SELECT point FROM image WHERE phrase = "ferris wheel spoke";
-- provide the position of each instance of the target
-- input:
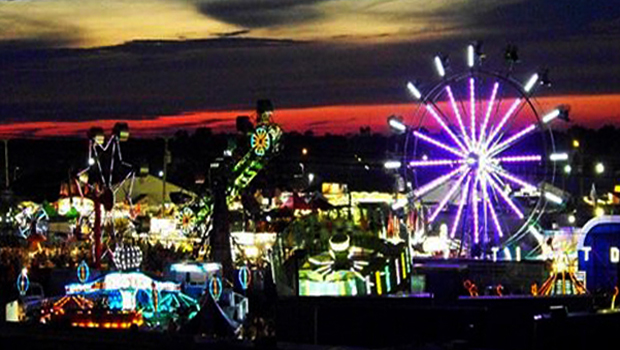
(472, 110)
(506, 199)
(437, 143)
(434, 162)
(487, 115)
(438, 182)
(447, 197)
(437, 118)
(519, 158)
(462, 203)
(508, 176)
(489, 205)
(503, 121)
(457, 113)
(501, 146)
(474, 204)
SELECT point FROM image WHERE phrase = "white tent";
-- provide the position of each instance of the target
(149, 190)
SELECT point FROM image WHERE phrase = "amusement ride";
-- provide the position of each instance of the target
(477, 154)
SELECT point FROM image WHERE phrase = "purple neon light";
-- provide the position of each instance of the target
(435, 162)
(458, 115)
(483, 201)
(498, 148)
(461, 205)
(445, 127)
(479, 174)
(519, 159)
(475, 207)
(491, 209)
(447, 197)
(472, 106)
(437, 143)
(498, 228)
(514, 179)
(488, 113)
(437, 182)
(506, 198)
(499, 126)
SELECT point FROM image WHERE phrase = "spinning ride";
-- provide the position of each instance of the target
(479, 155)
(265, 143)
(105, 175)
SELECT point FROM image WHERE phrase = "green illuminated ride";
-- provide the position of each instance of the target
(265, 143)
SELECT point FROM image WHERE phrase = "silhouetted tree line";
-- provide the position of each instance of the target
(38, 166)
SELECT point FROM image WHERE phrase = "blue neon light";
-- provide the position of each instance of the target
(215, 287)
(245, 277)
(23, 283)
(83, 272)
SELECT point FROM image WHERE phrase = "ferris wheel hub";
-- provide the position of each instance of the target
(472, 159)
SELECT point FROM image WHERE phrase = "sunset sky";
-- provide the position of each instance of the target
(327, 65)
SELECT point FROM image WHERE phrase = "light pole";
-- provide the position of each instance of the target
(6, 163)
(167, 160)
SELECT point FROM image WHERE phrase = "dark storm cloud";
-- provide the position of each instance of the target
(554, 19)
(578, 40)
(137, 80)
(261, 13)
(145, 79)
(141, 80)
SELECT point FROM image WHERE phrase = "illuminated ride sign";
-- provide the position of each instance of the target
(122, 281)
(599, 253)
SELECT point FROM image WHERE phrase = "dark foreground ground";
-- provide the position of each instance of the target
(358, 323)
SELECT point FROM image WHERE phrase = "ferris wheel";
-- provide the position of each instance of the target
(477, 155)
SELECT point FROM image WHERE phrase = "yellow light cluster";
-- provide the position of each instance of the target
(109, 325)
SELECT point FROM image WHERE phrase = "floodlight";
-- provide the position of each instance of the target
(414, 90)
(531, 82)
(439, 65)
(470, 56)
(396, 124)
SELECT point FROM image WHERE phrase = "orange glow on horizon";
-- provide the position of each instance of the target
(592, 111)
